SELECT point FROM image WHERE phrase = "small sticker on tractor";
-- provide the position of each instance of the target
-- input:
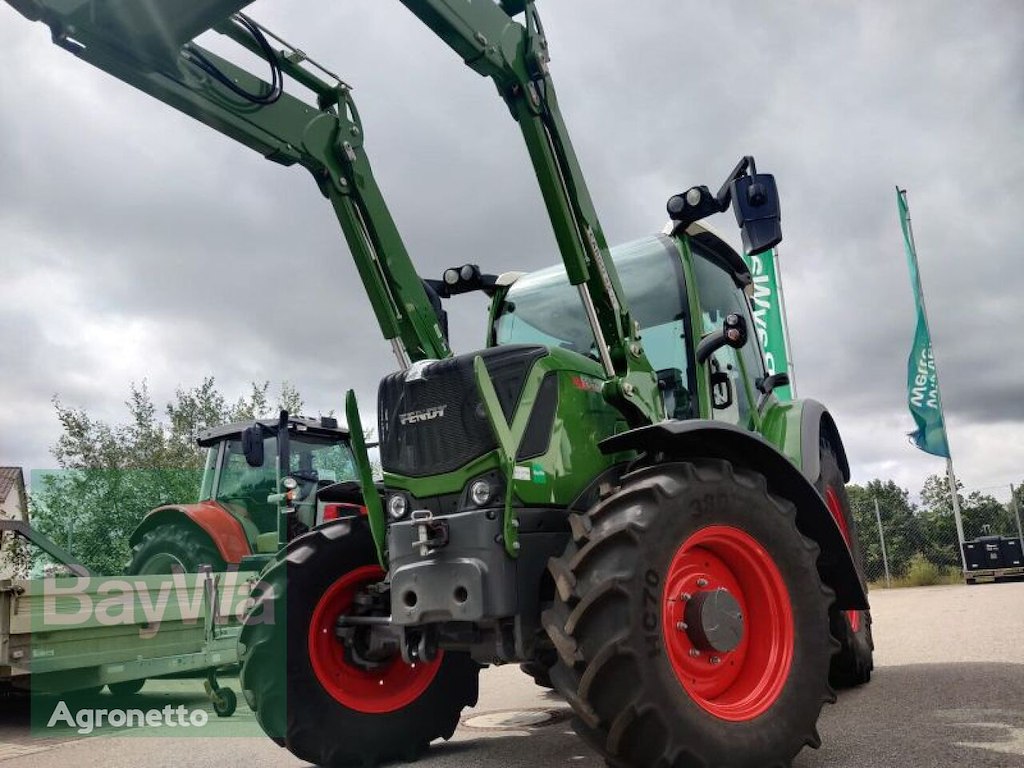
(539, 475)
(521, 473)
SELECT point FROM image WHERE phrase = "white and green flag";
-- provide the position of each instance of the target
(769, 322)
(922, 379)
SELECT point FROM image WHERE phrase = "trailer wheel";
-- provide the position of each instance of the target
(691, 624)
(174, 546)
(310, 692)
(854, 660)
(224, 702)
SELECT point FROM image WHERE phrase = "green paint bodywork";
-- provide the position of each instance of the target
(371, 499)
(781, 427)
(572, 459)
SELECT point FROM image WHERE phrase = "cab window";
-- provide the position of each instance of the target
(543, 308)
(731, 371)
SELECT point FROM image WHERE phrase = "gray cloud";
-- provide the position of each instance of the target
(136, 243)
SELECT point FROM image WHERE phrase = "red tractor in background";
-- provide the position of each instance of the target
(237, 521)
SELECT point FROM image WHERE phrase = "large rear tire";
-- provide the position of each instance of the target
(168, 547)
(303, 684)
(653, 576)
(854, 660)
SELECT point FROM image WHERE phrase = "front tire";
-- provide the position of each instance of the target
(301, 681)
(649, 672)
(171, 547)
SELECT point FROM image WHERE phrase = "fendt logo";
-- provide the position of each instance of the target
(427, 414)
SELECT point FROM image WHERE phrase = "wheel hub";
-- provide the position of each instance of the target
(714, 621)
(374, 685)
(727, 622)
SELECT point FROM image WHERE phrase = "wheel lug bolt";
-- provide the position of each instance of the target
(715, 660)
(702, 582)
(681, 626)
(685, 596)
(694, 652)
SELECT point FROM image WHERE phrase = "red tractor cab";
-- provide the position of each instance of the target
(240, 514)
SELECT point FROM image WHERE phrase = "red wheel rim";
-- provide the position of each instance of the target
(390, 687)
(743, 683)
(836, 508)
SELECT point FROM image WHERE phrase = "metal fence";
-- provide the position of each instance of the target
(905, 545)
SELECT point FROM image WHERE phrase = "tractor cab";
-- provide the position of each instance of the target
(237, 519)
(319, 459)
(682, 288)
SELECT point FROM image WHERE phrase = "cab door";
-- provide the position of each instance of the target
(729, 374)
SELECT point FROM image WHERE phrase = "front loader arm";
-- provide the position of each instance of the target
(515, 57)
(150, 44)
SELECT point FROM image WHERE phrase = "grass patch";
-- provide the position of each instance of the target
(921, 572)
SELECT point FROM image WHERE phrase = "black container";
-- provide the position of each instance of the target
(984, 553)
(1010, 552)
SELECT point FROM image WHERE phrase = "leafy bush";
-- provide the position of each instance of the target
(922, 572)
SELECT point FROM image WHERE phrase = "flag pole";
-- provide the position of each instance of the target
(785, 324)
(950, 474)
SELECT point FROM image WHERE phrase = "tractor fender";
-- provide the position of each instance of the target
(799, 429)
(699, 438)
(818, 426)
(224, 529)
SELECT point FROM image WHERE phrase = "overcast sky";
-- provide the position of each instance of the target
(138, 244)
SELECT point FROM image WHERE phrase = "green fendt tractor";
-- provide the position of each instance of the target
(609, 494)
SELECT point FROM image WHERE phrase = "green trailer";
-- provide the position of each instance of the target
(78, 632)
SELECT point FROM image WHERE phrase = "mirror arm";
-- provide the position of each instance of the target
(768, 383)
(724, 196)
(733, 333)
(709, 345)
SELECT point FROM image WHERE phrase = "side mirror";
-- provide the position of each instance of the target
(733, 334)
(755, 201)
(252, 445)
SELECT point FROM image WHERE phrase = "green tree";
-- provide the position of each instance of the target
(111, 474)
(938, 537)
(1015, 507)
(984, 514)
(898, 524)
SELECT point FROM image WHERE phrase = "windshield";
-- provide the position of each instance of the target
(543, 308)
(332, 461)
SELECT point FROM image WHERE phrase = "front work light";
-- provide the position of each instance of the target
(480, 492)
(397, 506)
